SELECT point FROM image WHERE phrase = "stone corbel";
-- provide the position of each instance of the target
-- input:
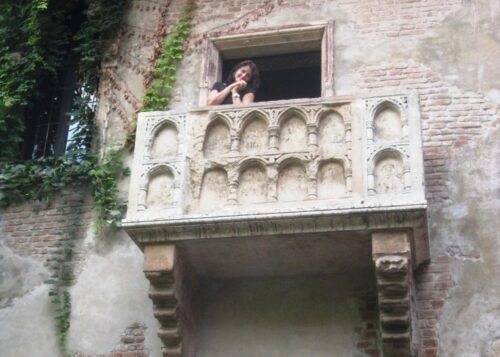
(171, 290)
(393, 271)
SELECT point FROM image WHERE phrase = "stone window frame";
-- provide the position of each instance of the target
(269, 41)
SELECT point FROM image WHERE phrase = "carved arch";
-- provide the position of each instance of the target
(252, 181)
(217, 140)
(292, 179)
(332, 178)
(214, 188)
(161, 149)
(397, 104)
(289, 112)
(160, 185)
(253, 133)
(389, 172)
(293, 130)
(249, 116)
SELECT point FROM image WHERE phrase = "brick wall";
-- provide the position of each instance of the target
(368, 337)
(433, 284)
(132, 344)
(49, 232)
(449, 118)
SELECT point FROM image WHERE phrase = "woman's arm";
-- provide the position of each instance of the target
(215, 97)
(246, 99)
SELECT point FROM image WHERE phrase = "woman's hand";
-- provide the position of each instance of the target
(238, 86)
(216, 98)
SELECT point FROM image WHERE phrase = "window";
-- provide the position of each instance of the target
(295, 62)
(47, 122)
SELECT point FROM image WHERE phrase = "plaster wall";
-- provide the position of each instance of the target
(309, 316)
(109, 295)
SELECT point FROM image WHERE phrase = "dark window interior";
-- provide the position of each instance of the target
(47, 127)
(287, 76)
(47, 120)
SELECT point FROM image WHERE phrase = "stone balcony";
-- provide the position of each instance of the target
(344, 174)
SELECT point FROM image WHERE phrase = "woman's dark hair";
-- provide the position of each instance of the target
(254, 82)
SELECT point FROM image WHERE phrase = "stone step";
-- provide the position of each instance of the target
(172, 351)
(166, 314)
(394, 306)
(169, 336)
(395, 323)
(396, 337)
(165, 295)
(160, 278)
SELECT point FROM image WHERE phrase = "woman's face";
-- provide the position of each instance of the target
(243, 73)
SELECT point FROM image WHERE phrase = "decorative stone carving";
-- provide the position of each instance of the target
(160, 189)
(391, 113)
(171, 291)
(159, 269)
(389, 174)
(391, 255)
(214, 189)
(328, 137)
(274, 138)
(331, 180)
(331, 131)
(165, 142)
(252, 185)
(292, 182)
(293, 134)
(217, 140)
(387, 124)
(254, 136)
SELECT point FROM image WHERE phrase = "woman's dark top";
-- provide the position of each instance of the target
(219, 86)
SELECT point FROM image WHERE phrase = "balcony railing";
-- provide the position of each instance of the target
(340, 154)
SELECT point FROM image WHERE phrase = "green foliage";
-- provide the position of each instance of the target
(30, 55)
(61, 300)
(40, 180)
(36, 38)
(158, 96)
(104, 177)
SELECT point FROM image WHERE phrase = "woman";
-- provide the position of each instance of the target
(242, 83)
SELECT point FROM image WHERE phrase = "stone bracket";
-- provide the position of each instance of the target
(171, 291)
(393, 273)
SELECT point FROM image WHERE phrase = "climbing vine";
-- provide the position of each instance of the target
(158, 94)
(37, 39)
(37, 50)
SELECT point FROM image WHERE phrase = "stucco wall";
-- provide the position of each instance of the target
(284, 317)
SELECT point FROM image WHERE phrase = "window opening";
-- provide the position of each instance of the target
(285, 76)
(292, 60)
(47, 120)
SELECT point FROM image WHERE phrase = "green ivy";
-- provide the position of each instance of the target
(36, 50)
(61, 300)
(158, 94)
(36, 38)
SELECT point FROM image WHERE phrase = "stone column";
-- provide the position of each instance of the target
(391, 255)
(273, 132)
(172, 288)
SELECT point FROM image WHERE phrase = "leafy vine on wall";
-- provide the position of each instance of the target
(35, 52)
(37, 39)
